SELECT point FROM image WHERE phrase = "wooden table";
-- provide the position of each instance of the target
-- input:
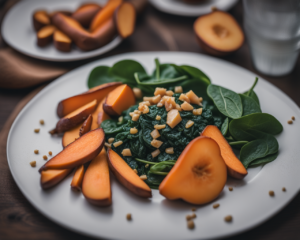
(155, 31)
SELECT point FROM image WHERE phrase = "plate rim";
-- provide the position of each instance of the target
(279, 207)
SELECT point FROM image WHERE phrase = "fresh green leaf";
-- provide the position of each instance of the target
(238, 144)
(250, 93)
(264, 160)
(249, 105)
(228, 102)
(224, 127)
(146, 162)
(99, 75)
(196, 73)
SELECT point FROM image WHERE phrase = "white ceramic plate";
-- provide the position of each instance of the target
(179, 7)
(157, 218)
(18, 31)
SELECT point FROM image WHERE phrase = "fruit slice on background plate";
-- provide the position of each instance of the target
(45, 35)
(85, 13)
(70, 104)
(40, 19)
(218, 33)
(124, 18)
(119, 100)
(96, 182)
(79, 152)
(235, 168)
(126, 176)
(51, 177)
(61, 41)
(199, 175)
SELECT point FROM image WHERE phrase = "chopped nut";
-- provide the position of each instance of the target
(230, 189)
(191, 224)
(283, 189)
(137, 93)
(126, 152)
(36, 151)
(197, 112)
(200, 99)
(184, 98)
(193, 209)
(135, 171)
(137, 112)
(178, 107)
(33, 163)
(228, 218)
(186, 106)
(145, 103)
(290, 122)
(143, 177)
(37, 130)
(156, 143)
(293, 118)
(178, 89)
(118, 143)
(50, 153)
(128, 217)
(169, 103)
(158, 117)
(131, 114)
(147, 165)
(271, 193)
(120, 119)
(156, 99)
(111, 140)
(159, 104)
(149, 99)
(144, 108)
(42, 122)
(155, 153)
(107, 145)
(216, 205)
(155, 134)
(45, 157)
(169, 93)
(173, 118)
(133, 131)
(189, 124)
(160, 91)
(158, 127)
(194, 99)
(170, 150)
(135, 117)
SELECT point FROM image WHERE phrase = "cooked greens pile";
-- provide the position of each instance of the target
(238, 116)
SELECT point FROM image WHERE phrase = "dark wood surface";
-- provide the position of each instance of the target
(155, 31)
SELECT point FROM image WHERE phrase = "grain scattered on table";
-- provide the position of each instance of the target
(271, 193)
(37, 130)
(33, 163)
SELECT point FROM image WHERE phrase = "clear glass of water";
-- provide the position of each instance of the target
(272, 29)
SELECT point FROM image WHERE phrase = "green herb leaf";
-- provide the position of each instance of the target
(264, 160)
(224, 127)
(250, 93)
(238, 144)
(249, 105)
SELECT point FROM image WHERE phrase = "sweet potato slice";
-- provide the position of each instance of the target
(40, 19)
(77, 178)
(70, 104)
(85, 40)
(99, 115)
(79, 152)
(126, 176)
(45, 35)
(50, 178)
(199, 174)
(86, 126)
(72, 119)
(119, 100)
(61, 41)
(235, 168)
(106, 13)
(71, 135)
(85, 13)
(96, 182)
(124, 17)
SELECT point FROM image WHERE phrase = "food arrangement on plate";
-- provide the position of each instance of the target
(90, 27)
(172, 130)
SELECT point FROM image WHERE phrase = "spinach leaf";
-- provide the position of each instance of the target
(264, 160)
(224, 127)
(248, 127)
(196, 73)
(250, 93)
(164, 166)
(228, 102)
(110, 126)
(258, 148)
(249, 105)
(238, 144)
(100, 75)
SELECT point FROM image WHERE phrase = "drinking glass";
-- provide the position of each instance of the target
(272, 29)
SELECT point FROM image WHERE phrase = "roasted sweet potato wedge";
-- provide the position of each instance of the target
(61, 41)
(79, 152)
(99, 116)
(71, 135)
(70, 104)
(45, 35)
(124, 18)
(86, 126)
(50, 178)
(85, 13)
(40, 19)
(77, 178)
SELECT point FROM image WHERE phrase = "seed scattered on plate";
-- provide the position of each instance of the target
(216, 205)
(228, 218)
(284, 189)
(42, 122)
(230, 189)
(190, 224)
(128, 216)
(33, 163)
(50, 153)
(290, 122)
(293, 118)
(37, 130)
(194, 215)
(188, 217)
(193, 209)
(45, 157)
(36, 151)
(271, 193)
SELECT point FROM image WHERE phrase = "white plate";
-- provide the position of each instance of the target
(18, 31)
(157, 218)
(179, 7)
